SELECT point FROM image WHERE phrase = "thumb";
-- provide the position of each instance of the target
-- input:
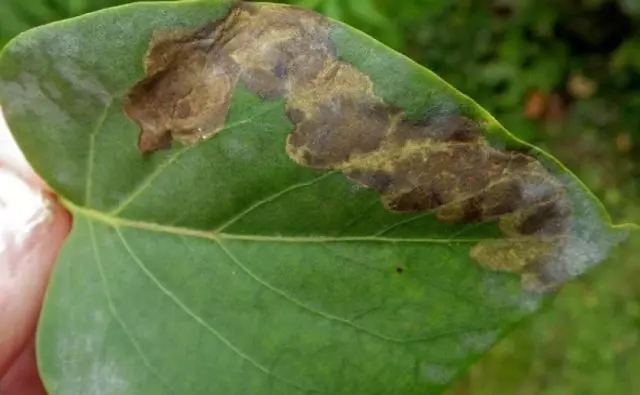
(32, 228)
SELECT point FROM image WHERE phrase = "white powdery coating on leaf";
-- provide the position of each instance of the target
(69, 347)
(588, 242)
(28, 99)
(474, 343)
(591, 240)
(81, 352)
(495, 290)
(437, 374)
(535, 191)
(82, 80)
(477, 342)
(104, 378)
(60, 43)
(51, 90)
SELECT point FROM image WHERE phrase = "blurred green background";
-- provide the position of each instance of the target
(563, 74)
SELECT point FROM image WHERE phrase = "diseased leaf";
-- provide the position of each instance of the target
(267, 201)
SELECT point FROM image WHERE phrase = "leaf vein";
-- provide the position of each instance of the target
(271, 199)
(357, 218)
(204, 234)
(302, 305)
(92, 151)
(118, 318)
(149, 179)
(402, 222)
(203, 323)
(433, 211)
(428, 281)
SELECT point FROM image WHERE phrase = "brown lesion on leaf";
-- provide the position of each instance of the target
(441, 164)
(186, 93)
(190, 75)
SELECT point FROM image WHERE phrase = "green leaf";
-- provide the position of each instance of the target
(229, 266)
(18, 15)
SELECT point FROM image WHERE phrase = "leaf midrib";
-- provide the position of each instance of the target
(119, 222)
(182, 306)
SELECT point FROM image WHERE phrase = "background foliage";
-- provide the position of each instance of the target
(563, 74)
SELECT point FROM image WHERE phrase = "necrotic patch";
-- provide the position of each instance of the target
(441, 164)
